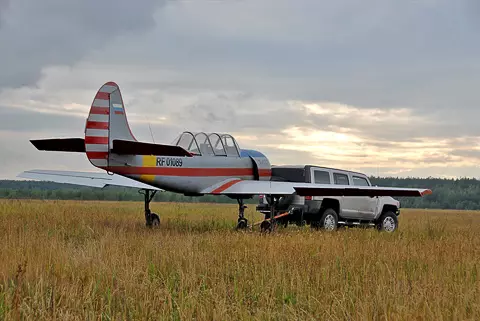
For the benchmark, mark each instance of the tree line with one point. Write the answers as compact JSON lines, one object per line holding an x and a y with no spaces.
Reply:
{"x":463,"y":193}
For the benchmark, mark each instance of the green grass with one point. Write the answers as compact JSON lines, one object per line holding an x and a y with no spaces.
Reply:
{"x":73,"y":260}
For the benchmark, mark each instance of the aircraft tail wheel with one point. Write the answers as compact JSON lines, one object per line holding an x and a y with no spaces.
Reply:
{"x":266,"y":226}
{"x":242,"y":224}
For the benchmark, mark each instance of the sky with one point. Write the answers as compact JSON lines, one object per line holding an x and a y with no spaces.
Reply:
{"x":384,"y":87}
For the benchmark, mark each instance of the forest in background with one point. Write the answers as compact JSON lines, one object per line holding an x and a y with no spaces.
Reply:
{"x":461,"y":193}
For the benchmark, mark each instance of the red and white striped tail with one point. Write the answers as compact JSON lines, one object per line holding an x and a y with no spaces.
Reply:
{"x":106,"y":121}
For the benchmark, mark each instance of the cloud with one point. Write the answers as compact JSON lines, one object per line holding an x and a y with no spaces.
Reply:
{"x":19,"y":155}
{"x":58,"y":32}
{"x":3,"y":6}
{"x":24,"y":121}
{"x":325,"y":133}
{"x":360,"y":84}
{"x":374,"y":53}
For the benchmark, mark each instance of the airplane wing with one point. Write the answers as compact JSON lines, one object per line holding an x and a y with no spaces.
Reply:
{"x":244,"y":187}
{"x":92,"y":179}
{"x":345,"y":190}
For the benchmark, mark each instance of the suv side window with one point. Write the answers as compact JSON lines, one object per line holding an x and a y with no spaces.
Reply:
{"x":340,"y":179}
{"x":360,"y":181}
{"x":321,"y":177}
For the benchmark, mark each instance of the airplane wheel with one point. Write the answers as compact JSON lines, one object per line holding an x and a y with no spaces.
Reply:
{"x":155,"y":220}
{"x":301,"y":223}
{"x":242,"y":224}
{"x":265,"y":226}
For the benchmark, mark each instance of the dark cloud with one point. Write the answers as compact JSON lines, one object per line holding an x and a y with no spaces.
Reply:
{"x":372,"y":54}
{"x":37,"y":34}
{"x":3,"y":7}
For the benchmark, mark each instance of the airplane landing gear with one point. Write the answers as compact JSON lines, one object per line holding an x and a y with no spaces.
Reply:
{"x":269,"y":224}
{"x":242,"y":221}
{"x":155,"y":219}
{"x":151,"y":219}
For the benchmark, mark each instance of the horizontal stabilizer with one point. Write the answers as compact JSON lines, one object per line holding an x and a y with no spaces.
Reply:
{"x":60,"y":144}
{"x":126,"y":147}
{"x":92,"y":179}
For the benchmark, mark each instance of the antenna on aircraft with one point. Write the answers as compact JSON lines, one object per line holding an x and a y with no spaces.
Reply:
{"x":151,"y":133}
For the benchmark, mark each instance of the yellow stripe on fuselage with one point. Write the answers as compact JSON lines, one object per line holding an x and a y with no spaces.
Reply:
{"x":148,"y":161}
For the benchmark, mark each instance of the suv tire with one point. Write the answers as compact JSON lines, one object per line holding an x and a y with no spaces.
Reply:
{"x":387,"y":222}
{"x":328,"y":220}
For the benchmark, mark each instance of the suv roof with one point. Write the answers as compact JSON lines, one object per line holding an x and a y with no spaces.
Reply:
{"x":317,"y":166}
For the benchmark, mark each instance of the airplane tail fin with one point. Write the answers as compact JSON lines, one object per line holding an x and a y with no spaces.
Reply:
{"x":107,"y":132}
{"x":106,"y":122}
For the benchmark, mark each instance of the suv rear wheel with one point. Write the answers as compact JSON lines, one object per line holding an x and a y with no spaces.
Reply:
{"x":388,"y":222}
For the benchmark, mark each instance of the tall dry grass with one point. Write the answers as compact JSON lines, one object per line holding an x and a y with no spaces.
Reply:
{"x":70,"y":260}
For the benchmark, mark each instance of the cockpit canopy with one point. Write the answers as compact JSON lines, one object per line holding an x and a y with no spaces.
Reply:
{"x":208,"y":144}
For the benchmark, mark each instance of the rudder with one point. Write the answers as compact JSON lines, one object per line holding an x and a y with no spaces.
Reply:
{"x":106,"y":121}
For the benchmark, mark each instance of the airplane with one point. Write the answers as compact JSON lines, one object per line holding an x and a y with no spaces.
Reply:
{"x":194,"y":164}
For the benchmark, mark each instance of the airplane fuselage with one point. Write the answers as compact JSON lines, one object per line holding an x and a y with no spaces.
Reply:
{"x":190,"y":174}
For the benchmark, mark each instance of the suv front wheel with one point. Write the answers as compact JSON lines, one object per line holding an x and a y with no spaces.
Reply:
{"x":388,"y":222}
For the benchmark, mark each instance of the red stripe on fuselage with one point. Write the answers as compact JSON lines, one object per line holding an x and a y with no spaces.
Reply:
{"x":179,"y":171}
{"x":99,"y":110}
{"x":225,"y":186}
{"x":102,"y":95}
{"x":97,"y":155}
{"x":97,"y":125}
{"x":265,"y":172}
{"x":96,"y":140}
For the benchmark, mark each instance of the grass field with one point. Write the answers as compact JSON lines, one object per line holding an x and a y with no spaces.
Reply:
{"x":96,"y":260}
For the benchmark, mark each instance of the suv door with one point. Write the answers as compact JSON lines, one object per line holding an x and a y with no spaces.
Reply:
{"x":318,"y":176}
{"x":365,"y":205}
{"x":347,"y":203}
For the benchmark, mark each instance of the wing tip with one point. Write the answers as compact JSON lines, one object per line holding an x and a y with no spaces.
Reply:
{"x":393,"y":192}
{"x":426,"y":192}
